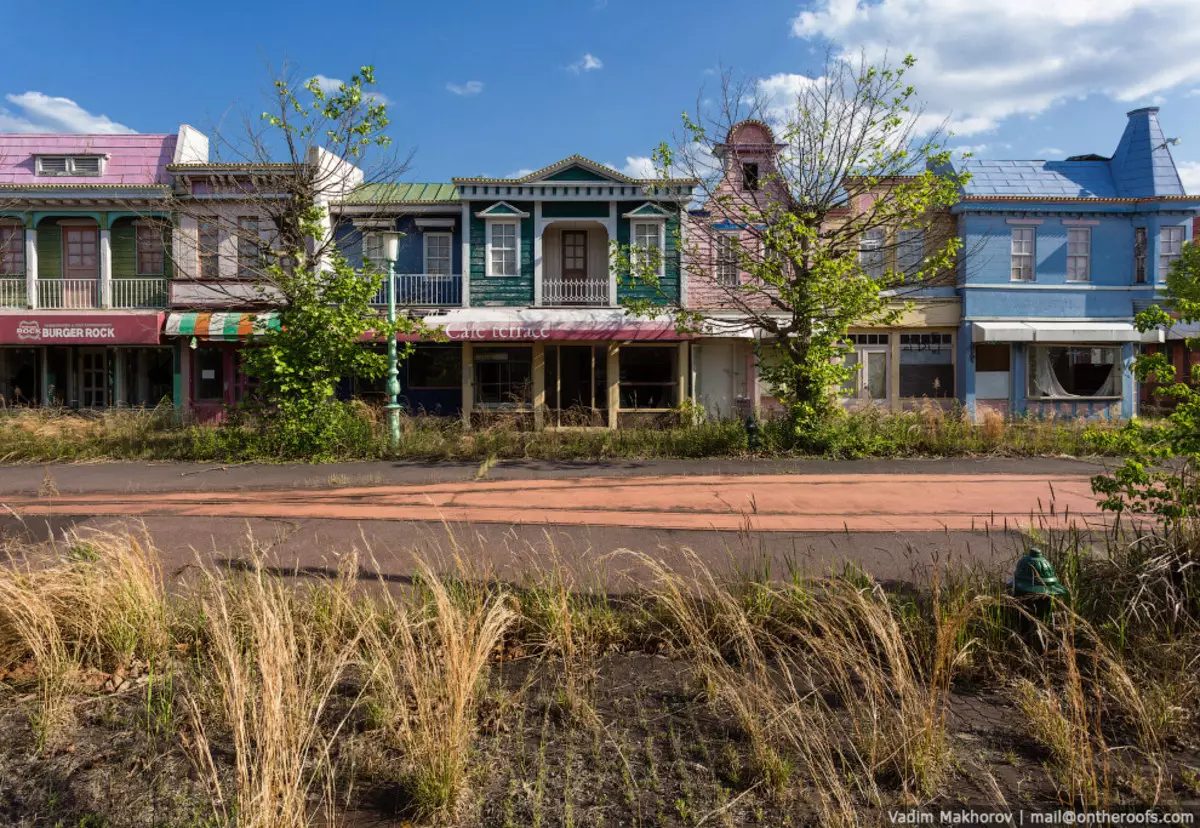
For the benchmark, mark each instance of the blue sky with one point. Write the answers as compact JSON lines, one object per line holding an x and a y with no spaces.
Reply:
{"x":487,"y":88}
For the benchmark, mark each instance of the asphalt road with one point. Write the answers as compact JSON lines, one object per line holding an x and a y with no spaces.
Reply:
{"x":897,"y":519}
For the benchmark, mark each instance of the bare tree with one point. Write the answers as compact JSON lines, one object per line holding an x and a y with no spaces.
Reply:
{"x":811,"y":212}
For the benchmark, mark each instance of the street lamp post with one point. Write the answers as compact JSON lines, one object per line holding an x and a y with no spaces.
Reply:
{"x":391,"y":252}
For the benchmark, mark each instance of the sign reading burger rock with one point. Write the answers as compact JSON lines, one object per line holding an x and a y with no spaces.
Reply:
{"x":92,"y":329}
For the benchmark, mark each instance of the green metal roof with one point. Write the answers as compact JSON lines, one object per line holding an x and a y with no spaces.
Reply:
{"x":403,"y":194}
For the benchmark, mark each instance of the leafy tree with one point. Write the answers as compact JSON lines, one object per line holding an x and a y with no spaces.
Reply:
{"x":325,"y":307}
{"x":1158,"y":475}
{"x":854,"y":155}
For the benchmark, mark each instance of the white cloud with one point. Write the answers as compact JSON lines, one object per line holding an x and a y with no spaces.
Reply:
{"x":973,"y":149}
{"x":990,"y":59}
{"x":521,"y":173}
{"x":586,"y":64}
{"x":43,"y":113}
{"x":1050,"y":152}
{"x":1189,"y":172}
{"x":330,"y":85}
{"x":471,"y":87}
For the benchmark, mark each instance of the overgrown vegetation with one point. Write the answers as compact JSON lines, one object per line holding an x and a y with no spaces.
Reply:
{"x":357,"y":431}
{"x":634,"y":692}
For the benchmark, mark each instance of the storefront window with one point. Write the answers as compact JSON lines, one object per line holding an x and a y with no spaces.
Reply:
{"x":1078,"y":371}
{"x":503,"y":376}
{"x":436,"y":367}
{"x":19,"y":382}
{"x":926,"y":365}
{"x":208,"y":366}
{"x":648,"y":377}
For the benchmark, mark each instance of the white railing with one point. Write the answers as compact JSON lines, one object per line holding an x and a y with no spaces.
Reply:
{"x":139,"y":293}
{"x":559,"y":291}
{"x":68,"y":294}
{"x":425,"y":290}
{"x":12,"y":292}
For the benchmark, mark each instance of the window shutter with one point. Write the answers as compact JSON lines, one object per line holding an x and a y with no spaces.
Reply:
{"x":86,"y":164}
{"x":49,"y":165}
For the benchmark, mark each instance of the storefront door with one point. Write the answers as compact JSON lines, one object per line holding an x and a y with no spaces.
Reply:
{"x":93,"y":377}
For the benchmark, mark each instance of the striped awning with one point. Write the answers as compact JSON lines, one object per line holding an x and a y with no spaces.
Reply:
{"x":221,"y":327}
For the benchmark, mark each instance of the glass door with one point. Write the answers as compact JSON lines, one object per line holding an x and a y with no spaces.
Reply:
{"x":93,"y":377}
{"x":875,"y":375}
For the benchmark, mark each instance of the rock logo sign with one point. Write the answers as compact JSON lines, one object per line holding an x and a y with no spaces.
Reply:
{"x":34,"y":331}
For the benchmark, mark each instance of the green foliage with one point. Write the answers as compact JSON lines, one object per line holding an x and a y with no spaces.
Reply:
{"x":851,"y":162}
{"x":324,"y":305}
{"x":1158,"y":475}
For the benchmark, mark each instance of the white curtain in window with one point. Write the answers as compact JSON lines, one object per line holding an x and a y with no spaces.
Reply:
{"x":1045,"y":382}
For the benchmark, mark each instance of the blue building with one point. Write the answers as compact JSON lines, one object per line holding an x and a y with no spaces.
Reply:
{"x":1057,"y":258}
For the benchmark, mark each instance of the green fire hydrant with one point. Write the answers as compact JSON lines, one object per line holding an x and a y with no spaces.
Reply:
{"x":1036,"y":584}
{"x":752,"y":440}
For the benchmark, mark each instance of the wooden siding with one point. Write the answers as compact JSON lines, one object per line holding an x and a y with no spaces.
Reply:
{"x":667,"y":291}
{"x":511,"y":291}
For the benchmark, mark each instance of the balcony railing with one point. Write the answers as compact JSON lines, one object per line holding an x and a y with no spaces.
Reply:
{"x":128,"y":294}
{"x":557,"y":290}
{"x":12,"y":292}
{"x":68,"y":294}
{"x":425,"y":290}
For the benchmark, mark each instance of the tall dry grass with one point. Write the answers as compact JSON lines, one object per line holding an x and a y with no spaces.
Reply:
{"x":268,"y":672}
{"x":426,"y":660}
{"x":831,"y":687}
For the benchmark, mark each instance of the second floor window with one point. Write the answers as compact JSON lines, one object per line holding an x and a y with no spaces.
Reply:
{"x":438,"y":253}
{"x":208,"y":248}
{"x":12,"y":250}
{"x":1140,"y":243}
{"x":648,"y":245}
{"x":249,"y":247}
{"x":750,"y":177}
{"x":373,"y":251}
{"x":502,"y":248}
{"x":150,"y":249}
{"x":1079,"y":254}
{"x":727,"y":260}
{"x":1023,"y":241}
{"x":1170,"y":248}
{"x":910,"y":251}
{"x":871,"y":253}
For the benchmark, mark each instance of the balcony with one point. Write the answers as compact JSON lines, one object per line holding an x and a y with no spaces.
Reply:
{"x":432,"y":290}
{"x":84,"y":294}
{"x":558,"y":291}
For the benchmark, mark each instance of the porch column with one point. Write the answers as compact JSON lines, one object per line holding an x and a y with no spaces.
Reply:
{"x":894,"y":370}
{"x":119,"y":361}
{"x":468,"y":382}
{"x":611,"y":226}
{"x":682,"y":371}
{"x":105,"y":268}
{"x":466,"y":255}
{"x":538,"y":229}
{"x":31,"y":266}
{"x":539,"y":385}
{"x":612,"y":373}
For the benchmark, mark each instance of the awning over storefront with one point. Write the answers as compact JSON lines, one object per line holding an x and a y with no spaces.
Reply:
{"x":33,"y":328}
{"x":1061,"y":332}
{"x":537,"y":324}
{"x":221,"y":327}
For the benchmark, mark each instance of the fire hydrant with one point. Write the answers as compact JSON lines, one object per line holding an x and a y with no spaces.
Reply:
{"x":1036,"y":584}
{"x":752,"y":441}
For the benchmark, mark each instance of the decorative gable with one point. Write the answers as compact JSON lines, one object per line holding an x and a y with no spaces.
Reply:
{"x":576,"y":168}
{"x":648,"y":210}
{"x":501,"y":209}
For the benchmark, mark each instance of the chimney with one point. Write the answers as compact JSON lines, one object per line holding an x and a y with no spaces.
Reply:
{"x":1142,"y":166}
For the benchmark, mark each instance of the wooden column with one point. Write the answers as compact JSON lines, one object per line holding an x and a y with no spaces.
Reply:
{"x":894,"y":370}
{"x":105,"y":268}
{"x":539,"y":385}
{"x":613,"y":374}
{"x":31,"y":266}
{"x":682,"y":372}
{"x":468,"y":383}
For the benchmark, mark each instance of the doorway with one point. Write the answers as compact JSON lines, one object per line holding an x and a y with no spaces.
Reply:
{"x":93,"y":377}
{"x":574,"y":255}
{"x":577,"y":384}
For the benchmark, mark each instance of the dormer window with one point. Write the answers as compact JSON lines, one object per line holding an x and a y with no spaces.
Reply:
{"x":750,"y":177}
{"x":77,"y":165}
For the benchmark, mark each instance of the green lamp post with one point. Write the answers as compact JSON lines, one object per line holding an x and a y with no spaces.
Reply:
{"x":391,"y":252}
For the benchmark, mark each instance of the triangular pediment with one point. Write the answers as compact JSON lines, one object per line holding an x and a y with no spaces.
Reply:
{"x":502,"y":209}
{"x":648,"y":210}
{"x":576,"y":168}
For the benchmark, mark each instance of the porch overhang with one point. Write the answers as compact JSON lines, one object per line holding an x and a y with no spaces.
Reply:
{"x":221,"y":327}
{"x":537,"y":325}
{"x":1061,"y":332}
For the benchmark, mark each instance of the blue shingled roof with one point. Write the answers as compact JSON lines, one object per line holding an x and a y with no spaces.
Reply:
{"x":1062,"y":179}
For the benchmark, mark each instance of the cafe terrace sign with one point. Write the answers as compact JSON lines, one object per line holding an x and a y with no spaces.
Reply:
{"x":544,"y":327}
{"x":92,"y":329}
